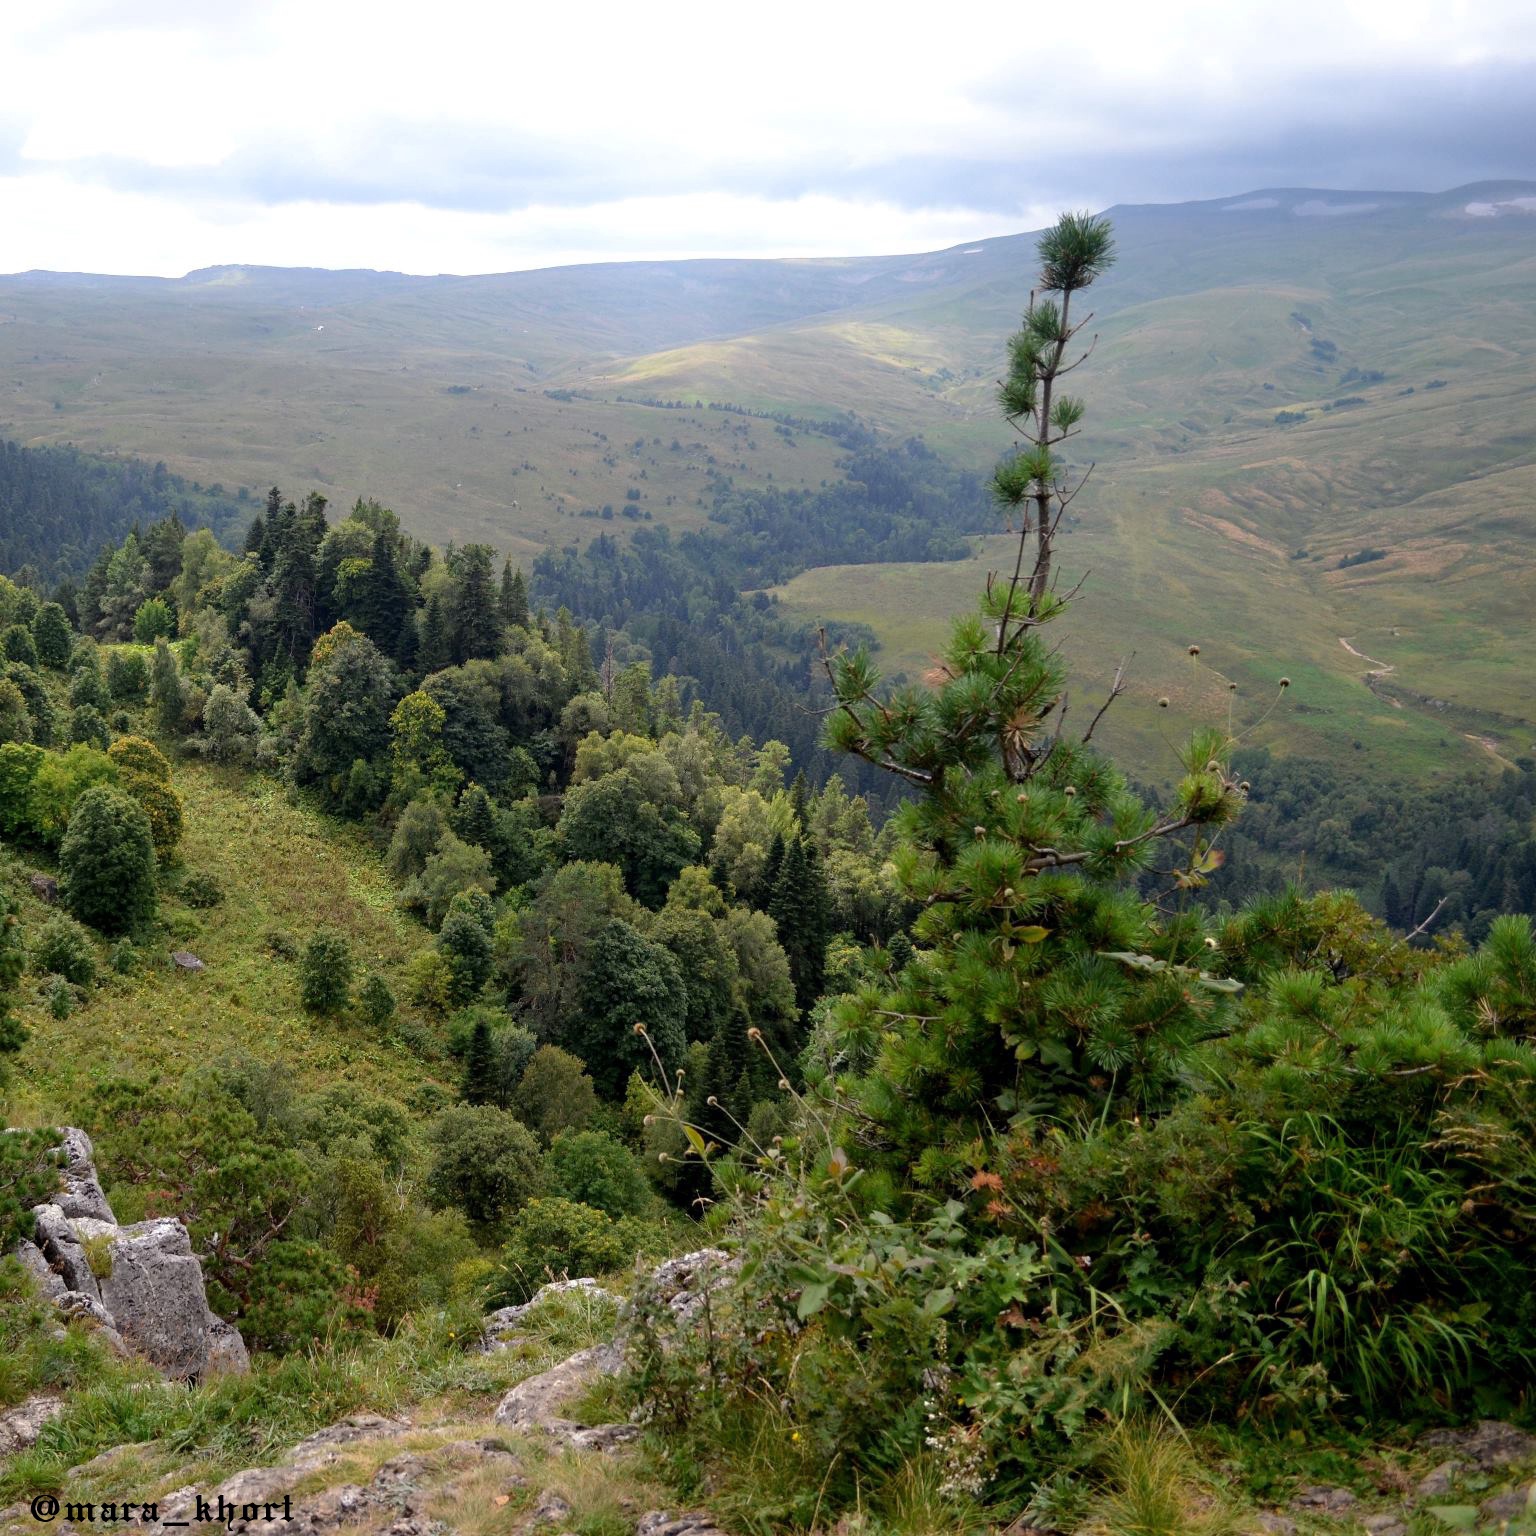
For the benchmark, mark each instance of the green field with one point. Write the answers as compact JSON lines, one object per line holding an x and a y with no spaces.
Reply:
{"x":1401,"y":335}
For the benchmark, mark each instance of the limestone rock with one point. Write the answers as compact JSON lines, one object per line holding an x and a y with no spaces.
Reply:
{"x":156,"y":1298}
{"x":658,"y":1523}
{"x":683,"y":1283}
{"x":55,"y":1235}
{"x":533,"y":1404}
{"x":1436,"y":1483}
{"x":49,"y":1284}
{"x":227,"y":1354}
{"x":185,"y":960}
{"x":1487,"y":1444}
{"x":1327,"y":1501}
{"x":45,"y":888}
{"x":20,"y":1426}
{"x":81,"y":1194}
{"x":503,"y":1325}
{"x":1512,"y":1504}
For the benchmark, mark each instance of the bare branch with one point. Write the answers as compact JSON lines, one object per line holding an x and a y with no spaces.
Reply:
{"x":1116,"y":688}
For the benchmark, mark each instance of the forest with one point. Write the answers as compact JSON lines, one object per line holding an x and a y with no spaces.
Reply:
{"x":1075,"y":1147}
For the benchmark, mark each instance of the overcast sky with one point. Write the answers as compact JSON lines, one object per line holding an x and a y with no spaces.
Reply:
{"x":157,"y":136}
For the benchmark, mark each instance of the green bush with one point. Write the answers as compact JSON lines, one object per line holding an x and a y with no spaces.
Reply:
{"x":88,"y":690}
{"x":88,"y":727}
{"x":52,"y":636}
{"x":64,"y":948}
{"x":325,"y":973}
{"x":15,"y":721}
{"x":593,"y":1169}
{"x":128,"y":676}
{"x":18,"y":645}
{"x":201,"y":889}
{"x":485,"y":1163}
{"x":153,"y":621}
{"x":107,"y":861}
{"x":555,"y":1093}
{"x":376,"y":1003}
{"x":553,"y":1239}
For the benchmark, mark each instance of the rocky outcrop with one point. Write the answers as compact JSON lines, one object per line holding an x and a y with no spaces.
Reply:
{"x":20,"y":1426}
{"x":140,"y":1286}
{"x":505,"y":1325}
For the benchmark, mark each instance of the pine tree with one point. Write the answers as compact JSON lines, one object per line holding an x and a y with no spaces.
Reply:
{"x":474,"y":626}
{"x":478,"y":1085}
{"x":1045,"y":981}
{"x":433,"y":653}
{"x":768,"y":881}
{"x":514,"y":597}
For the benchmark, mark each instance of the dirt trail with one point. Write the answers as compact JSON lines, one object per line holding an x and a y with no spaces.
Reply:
{"x":1378,"y":669}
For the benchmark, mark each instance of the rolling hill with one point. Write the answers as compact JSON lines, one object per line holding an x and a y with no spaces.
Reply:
{"x":1313,"y":415}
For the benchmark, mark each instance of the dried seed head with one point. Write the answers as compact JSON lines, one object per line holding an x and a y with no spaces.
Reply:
{"x":1245,"y":786}
{"x":1231,"y":687}
{"x":713,"y":1102}
{"x":639,"y":1029}
{"x":783,"y":1085}
{"x":1194,"y":650}
{"x":979,"y":831}
{"x":1022,"y":798}
{"x":1210,"y":943}
{"x":1162,"y":703}
{"x":1285,"y":682}
{"x":1069,"y":792}
{"x":754,"y":1033}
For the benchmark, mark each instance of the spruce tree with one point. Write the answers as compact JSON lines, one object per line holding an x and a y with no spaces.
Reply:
{"x":479,"y":1085}
{"x":513,"y":603}
{"x":433,"y":652}
{"x":474,"y":625}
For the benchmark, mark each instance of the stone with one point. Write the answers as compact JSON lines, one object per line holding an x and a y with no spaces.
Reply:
{"x":1487,"y":1445}
{"x":503,"y":1325}
{"x":683,"y":1283}
{"x":55,"y":1236}
{"x":45,"y":888}
{"x":1436,"y":1483}
{"x":156,"y":1298}
{"x":321,"y":1447}
{"x":1386,"y":1524}
{"x":81,"y":1194}
{"x":227,"y":1354}
{"x":1277,"y":1524}
{"x":1329,"y":1501}
{"x":185,"y":960}
{"x":1512,"y":1504}
{"x":532,"y":1404}
{"x":658,"y":1523}
{"x":20,"y":1426}
{"x":50,"y":1285}
{"x":550,"y":1509}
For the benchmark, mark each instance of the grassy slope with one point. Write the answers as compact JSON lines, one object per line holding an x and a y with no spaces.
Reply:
{"x":284,"y":868}
{"x":1198,"y":502}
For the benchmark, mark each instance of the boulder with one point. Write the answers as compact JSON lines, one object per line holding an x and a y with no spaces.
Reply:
{"x":156,"y":1298}
{"x":505,"y":1324}
{"x":49,"y":1284}
{"x":1487,"y":1444}
{"x":185,"y":960}
{"x":54,"y":1234}
{"x":20,"y":1426}
{"x":81,"y":1194}
{"x":1512,"y":1504}
{"x":45,"y":888}
{"x":534,"y":1404}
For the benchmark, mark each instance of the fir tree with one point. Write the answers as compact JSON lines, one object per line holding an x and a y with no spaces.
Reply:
{"x":514,"y":597}
{"x":433,"y":652}
{"x":479,"y":1085}
{"x":474,"y":626}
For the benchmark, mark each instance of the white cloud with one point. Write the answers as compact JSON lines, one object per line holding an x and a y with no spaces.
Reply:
{"x":158,"y":135}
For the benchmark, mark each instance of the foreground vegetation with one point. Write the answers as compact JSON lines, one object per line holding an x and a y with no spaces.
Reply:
{"x":1064,"y":1190}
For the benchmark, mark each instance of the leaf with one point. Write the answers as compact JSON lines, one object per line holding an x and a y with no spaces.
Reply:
{"x":812,"y":1299}
{"x":939,"y":1301}
{"x":695,"y":1140}
{"x":1460,"y":1517}
{"x":1056,"y":1053}
{"x":1034,"y":934}
{"x":1220,"y":983}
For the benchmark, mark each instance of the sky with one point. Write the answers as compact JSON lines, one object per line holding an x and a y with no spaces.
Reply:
{"x":160,"y":136}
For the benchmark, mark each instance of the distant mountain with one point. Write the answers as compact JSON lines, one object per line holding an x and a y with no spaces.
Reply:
{"x":1285,"y":379}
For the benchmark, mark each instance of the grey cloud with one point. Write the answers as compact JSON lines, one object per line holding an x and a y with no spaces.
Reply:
{"x":1336,"y":128}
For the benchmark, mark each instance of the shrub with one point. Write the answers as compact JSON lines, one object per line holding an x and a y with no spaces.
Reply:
{"x":429,"y":980}
{"x":161,"y":804}
{"x":19,"y":763}
{"x":18,"y":645}
{"x":124,"y":957}
{"x":61,"y":998}
{"x":325,"y":973}
{"x":154,"y":621}
{"x":375,"y":1003}
{"x":107,"y":861}
{"x":551,"y":1239}
{"x":88,"y":690}
{"x":52,"y":636}
{"x":58,"y":782}
{"x":64,"y":948}
{"x":200,"y":889}
{"x":128,"y":676}
{"x":555,"y":1093}
{"x":39,"y":703}
{"x":231,"y":730}
{"x":88,"y":727}
{"x":485,"y":1162}
{"x":136,"y":754}
{"x":28,"y":1173}
{"x":593,"y":1169}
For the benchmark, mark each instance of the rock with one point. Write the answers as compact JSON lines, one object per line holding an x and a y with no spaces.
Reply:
{"x":55,"y":1236}
{"x":683,"y":1283}
{"x":550,"y":1510}
{"x":1512,"y":1504}
{"x":50,"y":1286}
{"x":156,"y":1297}
{"x":658,"y":1523}
{"x":1330,"y":1501}
{"x":1386,"y":1524}
{"x":227,"y":1354}
{"x":1276,"y":1524}
{"x":185,"y":960}
{"x":1436,"y":1483}
{"x":319,"y":1448}
{"x":44,"y":887}
{"x":20,"y":1426}
{"x":1487,"y":1445}
{"x":81,"y":1194}
{"x":532,"y":1404}
{"x":503,"y":1325}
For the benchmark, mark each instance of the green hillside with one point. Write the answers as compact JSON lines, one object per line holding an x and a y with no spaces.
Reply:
{"x":1284,"y":380}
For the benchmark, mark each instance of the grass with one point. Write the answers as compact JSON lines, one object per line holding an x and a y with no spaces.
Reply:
{"x":286,"y":869}
{"x":432,"y":395}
